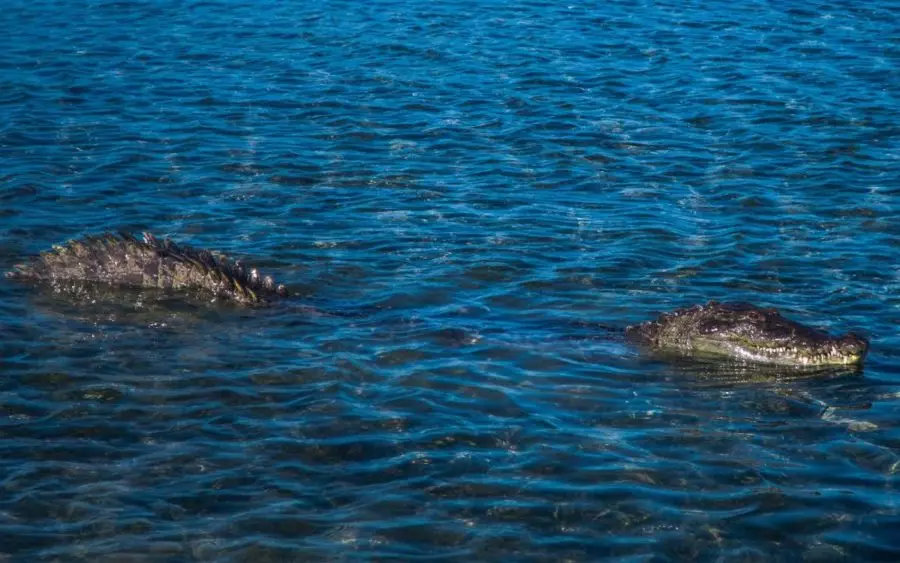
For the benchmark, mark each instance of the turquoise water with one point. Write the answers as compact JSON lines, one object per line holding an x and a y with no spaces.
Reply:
{"x":464,"y":194}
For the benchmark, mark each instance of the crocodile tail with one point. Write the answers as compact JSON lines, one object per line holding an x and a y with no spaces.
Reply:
{"x":123,"y":259}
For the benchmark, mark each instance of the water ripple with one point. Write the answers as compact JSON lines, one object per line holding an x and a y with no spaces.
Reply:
{"x":465,"y":196}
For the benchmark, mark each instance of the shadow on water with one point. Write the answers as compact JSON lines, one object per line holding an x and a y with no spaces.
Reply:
{"x":98,"y":303}
{"x":833,"y":394}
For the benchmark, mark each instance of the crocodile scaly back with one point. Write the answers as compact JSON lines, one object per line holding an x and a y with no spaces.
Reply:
{"x":123,"y":259}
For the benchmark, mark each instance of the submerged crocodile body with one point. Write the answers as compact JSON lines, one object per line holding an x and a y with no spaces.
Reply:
{"x":739,"y":331}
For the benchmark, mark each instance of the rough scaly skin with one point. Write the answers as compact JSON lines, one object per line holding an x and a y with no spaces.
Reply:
{"x":125,"y":260}
{"x":748,"y":333}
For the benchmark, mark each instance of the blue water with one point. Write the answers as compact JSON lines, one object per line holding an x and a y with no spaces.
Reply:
{"x":461,"y":193}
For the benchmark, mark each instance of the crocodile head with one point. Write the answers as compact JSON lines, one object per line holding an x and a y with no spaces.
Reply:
{"x":748,"y":333}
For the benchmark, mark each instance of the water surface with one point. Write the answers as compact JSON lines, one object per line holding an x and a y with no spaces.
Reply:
{"x":461,"y":193}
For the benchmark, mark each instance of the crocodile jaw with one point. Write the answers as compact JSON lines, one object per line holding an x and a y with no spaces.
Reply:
{"x":843,"y":351}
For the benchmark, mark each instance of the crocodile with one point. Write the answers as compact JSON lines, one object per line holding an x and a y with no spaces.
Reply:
{"x":739,"y":331}
{"x":746,"y":332}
